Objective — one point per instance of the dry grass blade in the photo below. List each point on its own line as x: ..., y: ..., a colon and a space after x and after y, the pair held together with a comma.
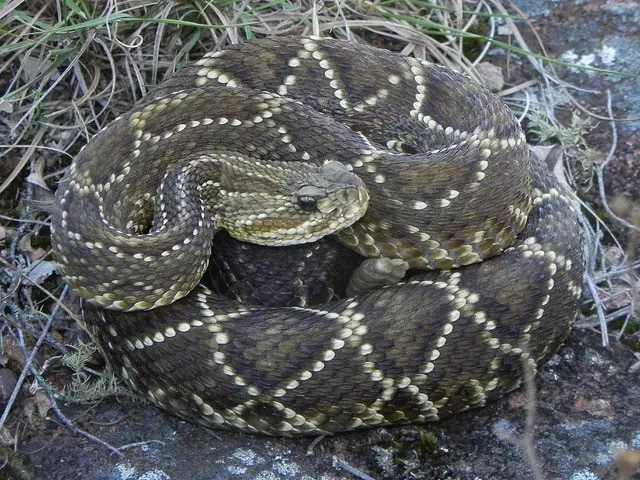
x: 9, y: 7
x: 23, y: 161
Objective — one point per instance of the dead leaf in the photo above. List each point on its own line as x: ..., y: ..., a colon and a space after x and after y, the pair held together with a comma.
x: 6, y: 107
x: 11, y: 352
x: 491, y: 76
x: 37, y: 403
x: 628, y: 461
x: 5, y: 232
x: 39, y: 272
x: 25, y: 244
x: 43, y: 403
x: 37, y: 254
x: 8, y: 381
x: 36, y: 175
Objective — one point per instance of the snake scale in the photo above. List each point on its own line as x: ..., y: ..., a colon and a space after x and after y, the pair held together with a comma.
x: 284, y: 141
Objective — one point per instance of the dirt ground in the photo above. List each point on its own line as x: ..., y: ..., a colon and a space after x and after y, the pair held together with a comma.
x: 588, y: 396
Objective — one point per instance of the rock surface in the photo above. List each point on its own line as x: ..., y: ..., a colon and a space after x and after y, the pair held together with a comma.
x: 587, y: 410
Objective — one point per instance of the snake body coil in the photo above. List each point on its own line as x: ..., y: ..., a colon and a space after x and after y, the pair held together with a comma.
x: 255, y: 140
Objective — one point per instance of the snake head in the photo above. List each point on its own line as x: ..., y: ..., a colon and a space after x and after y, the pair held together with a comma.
x: 299, y: 203
x: 334, y: 192
x: 335, y: 187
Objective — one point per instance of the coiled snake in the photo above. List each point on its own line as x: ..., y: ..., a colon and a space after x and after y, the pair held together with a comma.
x: 282, y: 141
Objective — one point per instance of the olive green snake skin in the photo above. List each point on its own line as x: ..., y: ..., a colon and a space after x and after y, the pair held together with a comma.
x: 443, y: 171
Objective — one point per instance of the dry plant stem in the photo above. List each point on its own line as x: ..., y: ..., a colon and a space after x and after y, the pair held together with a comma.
x: 54, y: 406
x: 140, y: 444
x: 352, y: 470
x: 20, y: 220
x: 25, y: 325
x: 601, y: 190
x: 630, y: 314
x: 157, y: 41
x: 593, y: 280
x: 28, y: 368
x: 315, y: 25
x: 524, y: 85
x: 35, y: 284
x: 314, y: 443
x: 30, y: 358
x: 617, y: 271
x: 9, y: 7
x: 594, y: 320
x: 23, y: 161
x: 69, y: 424
x: 525, y: 442
x: 597, y: 250
x: 58, y: 151
x: 597, y: 303
x: 492, y: 32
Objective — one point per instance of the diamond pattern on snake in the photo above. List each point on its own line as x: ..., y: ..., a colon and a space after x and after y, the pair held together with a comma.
x: 380, y: 247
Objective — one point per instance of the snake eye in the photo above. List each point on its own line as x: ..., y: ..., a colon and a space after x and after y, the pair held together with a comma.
x: 308, y: 204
